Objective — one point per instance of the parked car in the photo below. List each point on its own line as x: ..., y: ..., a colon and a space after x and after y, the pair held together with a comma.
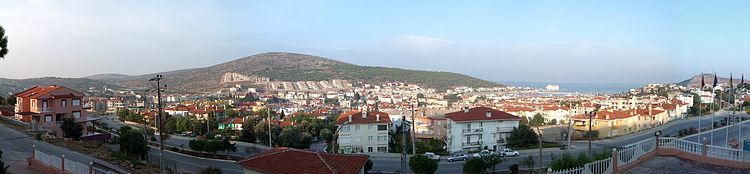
x: 432, y: 156
x: 508, y: 152
x: 458, y: 157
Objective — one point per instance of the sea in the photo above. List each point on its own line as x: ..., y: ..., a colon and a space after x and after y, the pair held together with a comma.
x: 583, y: 88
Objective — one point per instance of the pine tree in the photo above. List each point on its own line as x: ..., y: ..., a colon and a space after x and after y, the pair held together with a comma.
x: 3, y: 167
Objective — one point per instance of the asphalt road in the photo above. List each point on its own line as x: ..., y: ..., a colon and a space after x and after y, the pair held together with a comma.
x: 17, y: 147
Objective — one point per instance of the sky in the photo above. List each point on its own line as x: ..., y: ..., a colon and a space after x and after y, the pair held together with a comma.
x: 625, y: 42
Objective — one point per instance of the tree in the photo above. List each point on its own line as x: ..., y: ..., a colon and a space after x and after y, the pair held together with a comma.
x: 131, y: 142
x: 210, y: 170
x: 513, y: 169
x: 552, y: 122
x: 4, y: 168
x: 247, y: 134
x: 71, y: 129
x: 537, y: 120
x: 492, y: 161
x: 368, y: 165
x: 11, y: 101
x: 3, y: 43
x: 524, y: 120
x: 528, y: 162
x: 421, y: 164
x: 475, y: 166
x: 261, y: 132
x: 326, y: 134
x: 522, y: 136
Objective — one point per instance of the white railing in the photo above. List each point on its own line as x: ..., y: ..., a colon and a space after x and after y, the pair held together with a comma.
x: 711, y: 151
x: 683, y: 145
x: 724, y: 153
x: 630, y: 153
x: 597, y: 167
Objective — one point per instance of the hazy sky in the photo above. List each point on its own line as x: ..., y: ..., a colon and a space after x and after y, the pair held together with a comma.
x: 541, y: 41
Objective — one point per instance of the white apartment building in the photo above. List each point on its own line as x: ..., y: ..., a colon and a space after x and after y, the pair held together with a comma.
x: 479, y: 128
x: 363, y: 132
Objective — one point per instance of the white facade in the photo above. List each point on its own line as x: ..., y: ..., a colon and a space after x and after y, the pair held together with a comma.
x: 479, y: 134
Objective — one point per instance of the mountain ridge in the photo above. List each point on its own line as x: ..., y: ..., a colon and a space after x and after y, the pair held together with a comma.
x: 285, y: 66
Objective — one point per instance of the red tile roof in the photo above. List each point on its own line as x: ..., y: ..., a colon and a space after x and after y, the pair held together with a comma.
x: 36, y: 91
x: 480, y: 113
x: 284, y: 160
x: 357, y: 117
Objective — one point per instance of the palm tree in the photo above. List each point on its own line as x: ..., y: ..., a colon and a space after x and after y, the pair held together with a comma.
x: 3, y: 43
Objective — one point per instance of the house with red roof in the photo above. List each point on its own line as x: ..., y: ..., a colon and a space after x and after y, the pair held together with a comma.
x: 479, y: 128
x: 284, y: 160
x: 363, y: 132
x: 45, y: 107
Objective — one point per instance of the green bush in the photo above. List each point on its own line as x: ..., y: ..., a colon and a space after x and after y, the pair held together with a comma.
x: 513, y: 168
x: 475, y: 166
x: 421, y: 164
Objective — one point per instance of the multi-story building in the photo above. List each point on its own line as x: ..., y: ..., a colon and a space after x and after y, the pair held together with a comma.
x: 479, y: 128
x: 45, y: 107
x: 363, y: 132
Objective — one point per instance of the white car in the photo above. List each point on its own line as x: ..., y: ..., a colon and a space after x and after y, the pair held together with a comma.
x: 458, y: 157
x: 432, y: 156
x: 508, y: 152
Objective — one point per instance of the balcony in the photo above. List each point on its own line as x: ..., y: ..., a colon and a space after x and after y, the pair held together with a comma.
x: 471, y: 144
x: 501, y: 141
x: 473, y: 131
x: 504, y: 129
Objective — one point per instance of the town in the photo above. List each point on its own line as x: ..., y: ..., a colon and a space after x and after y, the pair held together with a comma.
x: 375, y: 127
x: 374, y: 87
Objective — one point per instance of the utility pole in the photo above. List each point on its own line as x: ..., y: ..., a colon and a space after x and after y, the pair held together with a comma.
x: 403, y: 144
x: 160, y: 120
x: 589, y: 132
x: 269, y: 127
x: 413, y: 131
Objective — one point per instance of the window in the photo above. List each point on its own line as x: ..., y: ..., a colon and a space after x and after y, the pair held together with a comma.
x: 369, y: 127
x: 77, y: 114
x: 382, y: 138
x: 369, y: 138
x: 382, y: 149
x: 382, y: 127
x: 77, y: 102
x: 345, y: 139
x: 44, y: 105
x: 48, y: 118
x: 356, y: 127
x: 64, y: 103
x: 369, y: 149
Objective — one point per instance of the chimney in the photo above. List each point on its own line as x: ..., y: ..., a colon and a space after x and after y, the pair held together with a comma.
x: 364, y: 114
x: 377, y: 117
x: 488, y: 114
x: 350, y: 118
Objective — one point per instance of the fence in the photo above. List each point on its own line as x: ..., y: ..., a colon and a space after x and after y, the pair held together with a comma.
x: 711, y: 151
x: 625, y: 156
x: 629, y: 154
x: 597, y: 167
x: 70, y: 166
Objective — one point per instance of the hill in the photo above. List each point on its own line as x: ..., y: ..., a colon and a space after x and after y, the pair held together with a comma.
x: 695, y: 81
x: 281, y: 66
x: 12, y: 86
